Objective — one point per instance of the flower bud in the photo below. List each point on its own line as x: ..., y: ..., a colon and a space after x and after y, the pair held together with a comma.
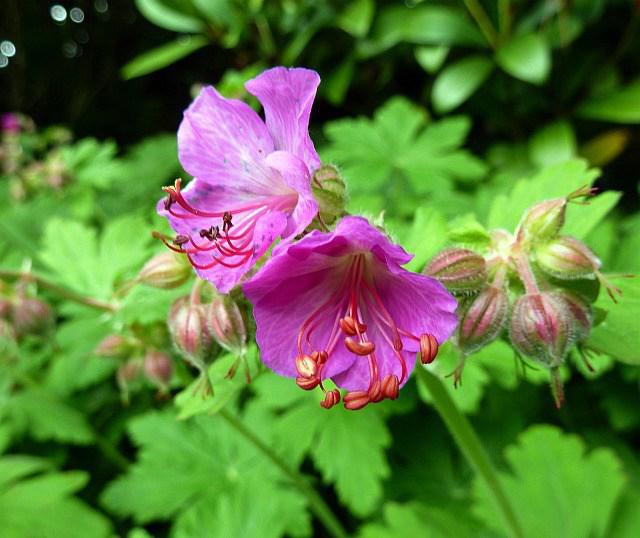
x: 542, y: 328
x: 166, y: 270
x: 329, y: 191
x: 460, y: 270
x: 10, y: 123
x: 113, y: 346
x: 126, y: 374
x: 188, y: 332
x: 484, y: 320
x: 567, y: 258
x: 581, y: 314
x: 5, y: 308
x: 544, y: 220
x: 226, y: 324
x: 31, y: 316
x: 158, y: 368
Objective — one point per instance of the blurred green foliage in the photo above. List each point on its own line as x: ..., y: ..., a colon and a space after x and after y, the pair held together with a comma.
x: 447, y: 118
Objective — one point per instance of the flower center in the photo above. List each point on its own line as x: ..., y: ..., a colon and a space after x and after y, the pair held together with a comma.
x: 218, y: 242
x: 354, y: 310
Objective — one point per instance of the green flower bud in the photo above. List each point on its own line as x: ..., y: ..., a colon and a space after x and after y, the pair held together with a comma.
x: 581, y: 314
x: 329, y: 190
x: 158, y: 368
x: 226, y: 324
x: 460, y: 270
x: 544, y: 220
x: 567, y: 258
x: 114, y: 346
x: 542, y: 328
x: 188, y: 332
x: 484, y: 320
x: 166, y: 270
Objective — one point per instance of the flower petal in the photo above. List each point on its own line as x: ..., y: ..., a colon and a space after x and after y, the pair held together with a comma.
x: 218, y: 198
x: 224, y: 142
x: 287, y: 96
x: 284, y: 294
x: 296, y: 175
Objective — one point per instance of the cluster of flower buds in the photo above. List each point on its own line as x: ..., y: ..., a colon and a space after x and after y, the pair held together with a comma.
x: 22, y: 314
x: 199, y: 327
x: 32, y: 159
x: 521, y: 287
x: 138, y: 361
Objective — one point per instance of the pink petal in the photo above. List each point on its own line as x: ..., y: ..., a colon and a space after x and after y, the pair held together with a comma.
x: 287, y: 96
x: 281, y: 306
x: 224, y: 142
x: 296, y: 175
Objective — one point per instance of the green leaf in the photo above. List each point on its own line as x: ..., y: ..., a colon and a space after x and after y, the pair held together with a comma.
x: 421, y: 25
x: 474, y: 380
x: 468, y: 232
x: 418, y: 519
x: 554, y: 143
x: 400, y: 159
x: 360, y: 466
x: 47, y: 418
x: 190, y: 402
x: 526, y: 57
x: 622, y: 105
x: 202, y: 474
x: 14, y: 467
x: 581, y: 220
x: 431, y: 58
x: 72, y: 252
x: 618, y: 334
x: 554, y: 486
x: 426, y: 237
x: 458, y: 81
x: 162, y: 56
x: 554, y: 181
x: 356, y: 17
x: 170, y: 14
x: 42, y: 505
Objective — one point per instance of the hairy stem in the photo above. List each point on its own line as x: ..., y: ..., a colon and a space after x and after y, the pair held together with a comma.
x: 317, y: 504
x: 63, y: 292
x: 483, y: 21
x: 469, y: 444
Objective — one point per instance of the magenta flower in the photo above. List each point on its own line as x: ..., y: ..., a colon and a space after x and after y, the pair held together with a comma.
x: 252, y: 177
x: 10, y: 123
x: 340, y: 306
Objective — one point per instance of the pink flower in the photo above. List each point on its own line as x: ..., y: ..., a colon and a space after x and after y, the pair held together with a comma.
x: 340, y: 306
x: 252, y: 177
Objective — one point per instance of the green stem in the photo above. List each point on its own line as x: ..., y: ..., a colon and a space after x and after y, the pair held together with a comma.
x: 483, y: 21
x: 59, y: 290
x: 504, y: 19
x: 317, y: 504
x: 469, y: 444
